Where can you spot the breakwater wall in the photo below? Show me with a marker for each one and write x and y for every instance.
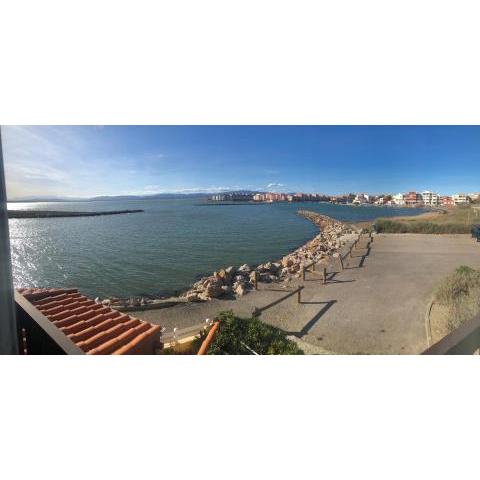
(237, 281)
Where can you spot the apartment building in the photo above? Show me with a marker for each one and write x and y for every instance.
(413, 198)
(398, 199)
(460, 199)
(360, 199)
(431, 199)
(447, 201)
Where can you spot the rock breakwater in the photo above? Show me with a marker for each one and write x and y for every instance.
(239, 280)
(236, 281)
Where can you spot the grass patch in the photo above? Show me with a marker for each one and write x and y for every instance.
(236, 335)
(454, 220)
(393, 226)
(460, 293)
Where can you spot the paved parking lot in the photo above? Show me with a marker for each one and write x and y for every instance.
(377, 304)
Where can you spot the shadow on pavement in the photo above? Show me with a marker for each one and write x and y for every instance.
(309, 325)
(362, 259)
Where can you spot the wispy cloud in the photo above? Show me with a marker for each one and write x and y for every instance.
(62, 160)
(275, 185)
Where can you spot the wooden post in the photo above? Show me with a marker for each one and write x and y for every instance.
(341, 261)
(313, 266)
(324, 275)
(299, 293)
(255, 280)
(350, 251)
(303, 272)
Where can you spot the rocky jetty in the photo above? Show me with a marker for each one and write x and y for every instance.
(239, 280)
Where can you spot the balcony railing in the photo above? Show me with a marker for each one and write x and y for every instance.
(465, 340)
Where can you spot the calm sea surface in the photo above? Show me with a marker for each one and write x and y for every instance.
(162, 250)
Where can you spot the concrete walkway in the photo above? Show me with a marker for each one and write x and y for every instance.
(376, 305)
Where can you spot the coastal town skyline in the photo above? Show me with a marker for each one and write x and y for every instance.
(88, 161)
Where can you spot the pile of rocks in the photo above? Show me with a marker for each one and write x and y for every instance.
(231, 280)
(238, 281)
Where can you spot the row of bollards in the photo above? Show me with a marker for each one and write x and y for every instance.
(324, 273)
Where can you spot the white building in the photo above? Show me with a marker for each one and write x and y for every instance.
(399, 199)
(430, 198)
(460, 199)
(360, 199)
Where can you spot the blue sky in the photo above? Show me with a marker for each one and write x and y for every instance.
(118, 160)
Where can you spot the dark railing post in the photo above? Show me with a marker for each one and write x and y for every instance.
(341, 261)
(324, 275)
(8, 326)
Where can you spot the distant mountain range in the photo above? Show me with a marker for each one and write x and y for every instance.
(101, 198)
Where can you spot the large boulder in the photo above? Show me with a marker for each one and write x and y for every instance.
(214, 290)
(230, 272)
(239, 289)
(244, 269)
(192, 297)
(287, 261)
(266, 277)
(275, 267)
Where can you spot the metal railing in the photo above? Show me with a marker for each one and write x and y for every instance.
(298, 291)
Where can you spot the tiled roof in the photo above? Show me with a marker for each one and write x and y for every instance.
(93, 327)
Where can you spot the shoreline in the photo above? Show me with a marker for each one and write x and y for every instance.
(235, 281)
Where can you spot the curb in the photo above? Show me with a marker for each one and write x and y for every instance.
(428, 327)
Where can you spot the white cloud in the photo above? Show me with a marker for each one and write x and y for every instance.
(275, 185)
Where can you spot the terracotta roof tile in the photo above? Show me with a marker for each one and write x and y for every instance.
(93, 327)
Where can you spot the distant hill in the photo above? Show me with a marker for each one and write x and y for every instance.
(101, 198)
(148, 197)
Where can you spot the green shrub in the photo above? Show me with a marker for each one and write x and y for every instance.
(234, 333)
